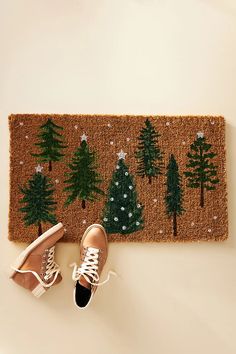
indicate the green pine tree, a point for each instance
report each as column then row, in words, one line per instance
column 51, row 143
column 203, row 172
column 39, row 202
column 174, row 194
column 148, row 154
column 122, row 213
column 83, row 180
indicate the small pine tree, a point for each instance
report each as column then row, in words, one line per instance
column 83, row 179
column 174, row 194
column 203, row 174
column 38, row 200
column 122, row 213
column 149, row 155
column 50, row 144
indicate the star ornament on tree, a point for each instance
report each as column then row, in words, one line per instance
column 38, row 169
column 121, row 155
column 200, row 135
column 84, row 137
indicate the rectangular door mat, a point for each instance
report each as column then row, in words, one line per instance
column 145, row 178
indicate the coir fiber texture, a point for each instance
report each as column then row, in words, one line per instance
column 145, row 178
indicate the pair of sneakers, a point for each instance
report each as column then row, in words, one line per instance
column 36, row 270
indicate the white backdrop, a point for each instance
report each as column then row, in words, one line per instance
column 123, row 56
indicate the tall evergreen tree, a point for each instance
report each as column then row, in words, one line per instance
column 203, row 172
column 174, row 194
column 38, row 200
column 51, row 143
column 148, row 154
column 83, row 180
column 122, row 212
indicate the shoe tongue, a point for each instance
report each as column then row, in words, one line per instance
column 93, row 249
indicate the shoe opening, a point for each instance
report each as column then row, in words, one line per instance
column 82, row 295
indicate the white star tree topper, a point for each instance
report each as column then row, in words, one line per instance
column 200, row 135
column 38, row 169
column 121, row 155
column 84, row 137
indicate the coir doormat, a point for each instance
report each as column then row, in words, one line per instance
column 145, row 178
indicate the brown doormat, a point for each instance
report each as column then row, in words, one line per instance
column 145, row 178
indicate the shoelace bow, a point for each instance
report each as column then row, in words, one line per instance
column 89, row 268
column 52, row 268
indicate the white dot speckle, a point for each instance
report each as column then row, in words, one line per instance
column 183, row 142
column 117, row 167
column 161, row 231
column 76, row 127
column 26, row 137
column 212, row 122
column 111, row 199
column 127, row 139
column 126, row 173
column 65, row 229
column 21, row 124
column 155, row 200
column 117, row 183
column 130, row 187
column 115, row 218
column 215, row 217
column 125, row 195
column 192, row 223
column 130, row 214
column 124, row 227
column 137, row 223
column 21, row 162
column 84, row 221
column 109, row 125
column 122, row 208
column 105, row 219
column 167, row 124
column 138, row 205
column 111, row 142
column 56, row 181
column 209, row 230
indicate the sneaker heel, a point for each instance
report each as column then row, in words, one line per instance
column 38, row 291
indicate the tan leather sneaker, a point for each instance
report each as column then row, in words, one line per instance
column 93, row 256
column 35, row 269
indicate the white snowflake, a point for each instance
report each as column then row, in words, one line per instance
column 84, row 221
column 105, row 219
column 122, row 208
column 125, row 195
column 38, row 169
column 126, row 173
column 124, row 227
column 117, row 183
column 138, row 205
column 167, row 124
column 130, row 214
column 115, row 218
column 137, row 223
column 111, row 199
column 130, row 187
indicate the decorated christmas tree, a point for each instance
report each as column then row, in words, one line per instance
column 203, row 172
column 38, row 200
column 174, row 193
column 83, row 180
column 51, row 143
column 122, row 212
column 149, row 155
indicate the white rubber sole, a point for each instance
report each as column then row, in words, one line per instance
column 23, row 255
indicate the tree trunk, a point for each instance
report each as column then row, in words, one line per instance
column 50, row 166
column 174, row 223
column 83, row 204
column 202, row 195
column 40, row 230
column 149, row 179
